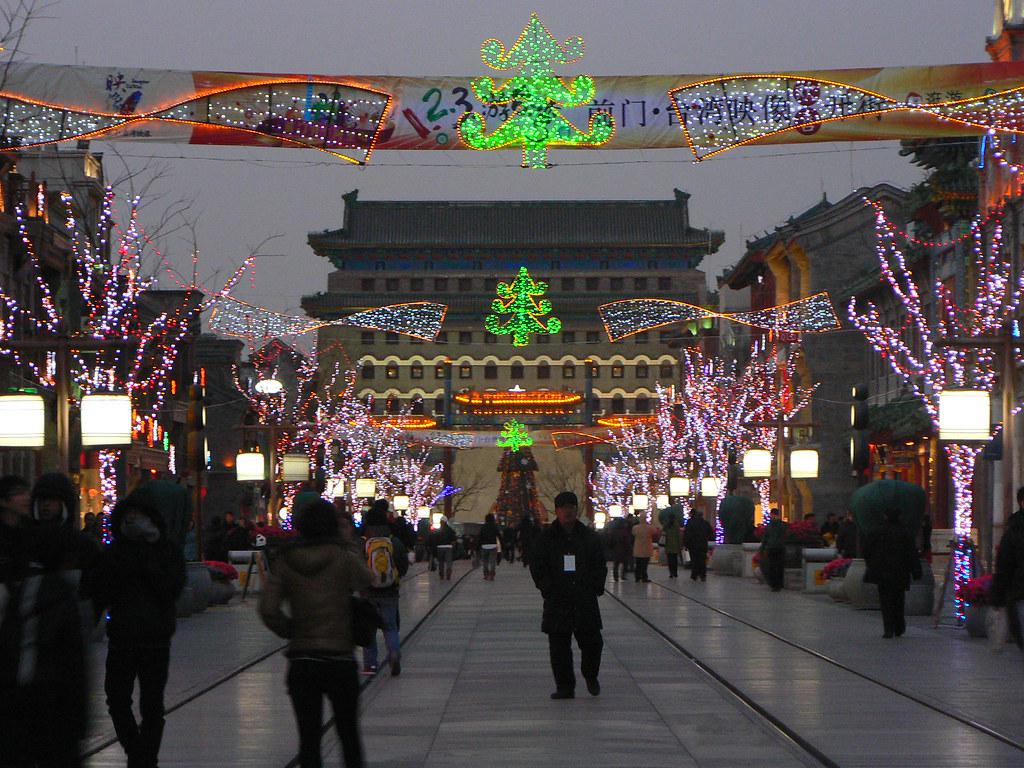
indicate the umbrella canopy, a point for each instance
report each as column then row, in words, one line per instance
column 737, row 516
column 870, row 502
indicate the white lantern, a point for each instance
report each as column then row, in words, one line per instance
column 423, row 513
column 662, row 501
column 400, row 502
column 366, row 487
column 249, row 467
column 335, row 487
column 709, row 487
column 757, row 462
column 269, row 386
column 614, row 510
column 803, row 463
column 600, row 518
column 640, row 501
column 964, row 414
column 295, row 468
column 106, row 420
column 22, row 421
column 678, row 486
column 435, row 520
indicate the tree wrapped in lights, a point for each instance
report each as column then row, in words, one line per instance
column 726, row 410
column 517, row 299
column 917, row 348
column 105, row 303
column 536, row 94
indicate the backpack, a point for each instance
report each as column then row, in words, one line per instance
column 380, row 559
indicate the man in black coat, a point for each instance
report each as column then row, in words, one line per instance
column 138, row 580
column 1008, row 582
column 696, row 536
column 568, row 566
column 891, row 560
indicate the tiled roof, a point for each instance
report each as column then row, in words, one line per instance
column 520, row 223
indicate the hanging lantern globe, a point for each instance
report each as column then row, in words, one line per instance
column 106, row 419
column 803, row 464
column 757, row 463
column 678, row 486
column 964, row 414
column 249, row 467
column 22, row 421
column 295, row 467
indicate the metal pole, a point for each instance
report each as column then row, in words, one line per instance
column 63, row 393
column 1009, row 478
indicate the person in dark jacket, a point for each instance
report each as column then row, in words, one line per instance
column 620, row 545
column 236, row 537
column 14, row 521
column 525, row 535
column 568, row 567
column 488, row 544
column 508, row 543
column 443, row 540
column 846, row 536
column 137, row 581
column 696, row 536
column 214, row 542
column 891, row 559
column 43, row 681
column 316, row 576
column 54, row 509
column 773, row 551
column 1008, row 581
column 384, row 598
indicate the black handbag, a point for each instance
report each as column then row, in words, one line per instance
column 365, row 621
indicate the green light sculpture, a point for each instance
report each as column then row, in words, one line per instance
column 517, row 300
column 536, row 94
column 514, row 436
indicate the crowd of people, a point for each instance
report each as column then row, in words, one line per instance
column 59, row 580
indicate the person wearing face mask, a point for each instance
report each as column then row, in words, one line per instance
column 138, row 580
column 54, row 532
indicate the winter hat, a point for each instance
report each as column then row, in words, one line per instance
column 55, row 485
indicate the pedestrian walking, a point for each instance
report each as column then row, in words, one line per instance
column 773, row 551
column 671, row 524
column 488, row 543
column 137, row 581
column 1008, row 581
column 891, row 559
column 388, row 561
column 444, row 543
column 315, row 577
column 846, row 536
column 569, row 569
column 620, row 544
column 43, row 684
column 526, row 534
column 54, row 509
column 508, row 543
column 14, row 522
column 696, row 537
column 644, row 535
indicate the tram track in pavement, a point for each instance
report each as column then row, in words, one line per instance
column 111, row 740
column 406, row 639
column 776, row 725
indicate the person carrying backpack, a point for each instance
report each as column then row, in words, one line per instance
column 388, row 561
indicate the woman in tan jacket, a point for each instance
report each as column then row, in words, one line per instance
column 316, row 576
column 644, row 535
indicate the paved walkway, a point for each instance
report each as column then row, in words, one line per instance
column 475, row 683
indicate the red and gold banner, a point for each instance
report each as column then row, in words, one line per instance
column 351, row 115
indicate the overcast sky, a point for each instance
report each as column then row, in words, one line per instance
column 244, row 195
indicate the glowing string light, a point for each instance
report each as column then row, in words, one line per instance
column 536, row 94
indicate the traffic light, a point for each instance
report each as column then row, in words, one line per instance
column 860, row 456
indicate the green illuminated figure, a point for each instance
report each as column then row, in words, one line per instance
column 514, row 436
column 517, row 299
column 536, row 94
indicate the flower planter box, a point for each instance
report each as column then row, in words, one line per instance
column 747, row 556
column 728, row 560
column 814, row 561
column 794, row 579
column 862, row 596
column 975, row 620
column 836, row 589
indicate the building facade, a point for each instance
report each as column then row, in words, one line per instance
column 588, row 252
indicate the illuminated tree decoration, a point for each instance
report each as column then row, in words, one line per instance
column 536, row 95
column 517, row 299
column 514, row 436
column 915, row 348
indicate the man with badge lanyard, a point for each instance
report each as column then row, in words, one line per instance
column 569, row 569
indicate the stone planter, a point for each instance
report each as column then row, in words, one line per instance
column 183, row 606
column 728, row 560
column 794, row 556
column 862, row 596
column 747, row 555
column 794, row 579
column 814, row 562
column 221, row 592
column 201, row 583
column 836, row 588
column 975, row 620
